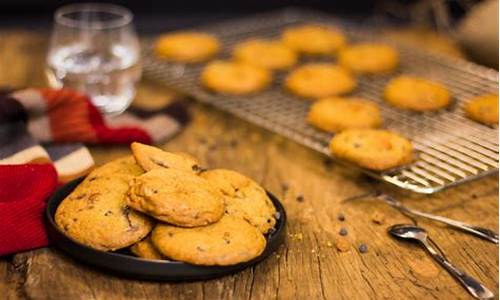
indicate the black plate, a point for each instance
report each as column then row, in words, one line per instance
column 123, row 264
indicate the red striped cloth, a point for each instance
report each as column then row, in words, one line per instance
column 42, row 132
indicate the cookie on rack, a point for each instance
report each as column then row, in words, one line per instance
column 483, row 109
column 96, row 213
column 268, row 54
column 334, row 114
column 369, row 58
column 319, row 80
column 235, row 78
column 243, row 198
column 314, row 39
column 229, row 241
column 177, row 197
column 146, row 249
column 373, row 149
column 149, row 158
column 187, row 46
column 416, row 93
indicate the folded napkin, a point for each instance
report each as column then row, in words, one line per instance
column 61, row 120
column 42, row 132
column 24, row 190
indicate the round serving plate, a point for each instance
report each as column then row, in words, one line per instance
column 125, row 264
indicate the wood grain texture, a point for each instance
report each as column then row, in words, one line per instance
column 311, row 187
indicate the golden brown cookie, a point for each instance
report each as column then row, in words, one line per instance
column 318, row 80
column 96, row 214
column 187, row 47
column 267, row 54
column 243, row 198
column 334, row 114
column 369, row 58
column 146, row 249
column 149, row 158
column 235, row 78
column 415, row 93
column 178, row 197
column 483, row 109
column 372, row 148
column 312, row 39
column 229, row 241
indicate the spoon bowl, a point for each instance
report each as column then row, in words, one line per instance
column 408, row 231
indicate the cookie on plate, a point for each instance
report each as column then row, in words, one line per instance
column 312, row 39
column 369, row 58
column 268, row 54
column 187, row 46
column 177, row 197
column 229, row 241
column 146, row 249
column 335, row 114
column 149, row 158
column 96, row 214
column 318, row 80
column 243, row 198
column 373, row 149
column 483, row 109
column 235, row 78
column 416, row 93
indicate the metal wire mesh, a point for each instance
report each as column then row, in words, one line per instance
column 451, row 148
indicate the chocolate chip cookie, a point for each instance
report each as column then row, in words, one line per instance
column 149, row 158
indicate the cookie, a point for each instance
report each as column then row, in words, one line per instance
column 483, row 109
column 187, row 47
column 369, row 58
column 318, row 80
column 149, row 158
column 267, row 54
column 146, row 249
column 234, row 78
column 335, row 114
column 96, row 214
column 311, row 39
column 230, row 241
column 373, row 149
column 415, row 93
column 177, row 197
column 243, row 198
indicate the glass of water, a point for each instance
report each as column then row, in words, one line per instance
column 94, row 49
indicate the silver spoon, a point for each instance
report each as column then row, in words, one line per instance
column 412, row 232
column 482, row 232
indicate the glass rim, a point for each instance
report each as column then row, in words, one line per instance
column 124, row 15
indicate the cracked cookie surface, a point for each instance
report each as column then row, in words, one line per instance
column 229, row 241
column 243, row 198
column 149, row 158
column 96, row 214
column 177, row 197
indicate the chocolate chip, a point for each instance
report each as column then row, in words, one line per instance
column 300, row 198
column 328, row 162
column 93, row 178
column 233, row 143
column 200, row 249
column 81, row 196
column 108, row 213
column 341, row 217
column 284, row 186
column 170, row 234
column 343, row 231
column 268, row 220
column 363, row 248
column 196, row 168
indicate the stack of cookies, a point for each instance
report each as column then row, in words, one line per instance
column 163, row 205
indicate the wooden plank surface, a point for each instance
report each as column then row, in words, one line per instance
column 308, row 265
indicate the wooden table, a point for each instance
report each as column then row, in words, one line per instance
column 308, row 265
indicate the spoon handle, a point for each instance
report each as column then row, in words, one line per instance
column 476, row 230
column 474, row 287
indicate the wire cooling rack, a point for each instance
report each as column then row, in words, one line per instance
column 451, row 148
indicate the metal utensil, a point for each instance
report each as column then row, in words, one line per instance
column 482, row 232
column 412, row 232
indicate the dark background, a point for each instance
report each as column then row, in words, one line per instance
column 154, row 16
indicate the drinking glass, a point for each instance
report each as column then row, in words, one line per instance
column 94, row 49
